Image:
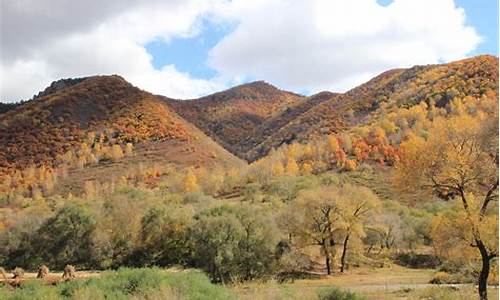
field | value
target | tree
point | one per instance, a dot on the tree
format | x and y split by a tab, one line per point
319	220
333	144
292	168
234	243
278	169
66	238
307	168
116	152
459	159
356	206
350	165
164	236
129	149
190	183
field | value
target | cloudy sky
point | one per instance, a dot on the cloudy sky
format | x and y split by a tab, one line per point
188	48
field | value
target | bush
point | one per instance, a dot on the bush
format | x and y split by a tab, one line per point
441	278
415	260
234	244
30	289
293	265
337	294
461	272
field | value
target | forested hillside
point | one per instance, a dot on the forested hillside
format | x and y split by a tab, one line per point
400	173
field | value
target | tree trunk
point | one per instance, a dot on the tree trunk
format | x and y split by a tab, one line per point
327	261
485	271
344	251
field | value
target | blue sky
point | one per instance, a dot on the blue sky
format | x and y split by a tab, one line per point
190	55
483	16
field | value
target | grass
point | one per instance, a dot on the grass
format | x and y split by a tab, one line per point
146	283
152	283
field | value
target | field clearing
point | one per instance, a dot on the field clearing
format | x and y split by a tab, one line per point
374	283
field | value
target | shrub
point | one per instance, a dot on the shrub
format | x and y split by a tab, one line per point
337	294
234	244
31	289
442	277
67	237
145	283
415	260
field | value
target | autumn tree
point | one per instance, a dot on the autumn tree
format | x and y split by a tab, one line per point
459	159
319	220
356	204
292	168
190	182
116	152
278	169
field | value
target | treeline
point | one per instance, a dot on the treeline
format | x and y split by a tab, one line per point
38	181
239	240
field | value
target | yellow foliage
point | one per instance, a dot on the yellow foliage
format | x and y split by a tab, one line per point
190	182
307	168
350	165
278	169
116	152
292	168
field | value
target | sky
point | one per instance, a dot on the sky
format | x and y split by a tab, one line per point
189	48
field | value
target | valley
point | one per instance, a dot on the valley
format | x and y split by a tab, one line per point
388	191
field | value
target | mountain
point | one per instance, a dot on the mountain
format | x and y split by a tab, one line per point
97	113
251	119
439	84
231	117
82	124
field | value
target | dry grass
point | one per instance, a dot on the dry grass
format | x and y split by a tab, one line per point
384	283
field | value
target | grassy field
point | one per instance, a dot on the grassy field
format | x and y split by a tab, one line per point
371	283
384	283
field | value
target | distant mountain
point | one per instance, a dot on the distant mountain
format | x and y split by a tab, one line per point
61	118
231	117
246	121
251	119
395	88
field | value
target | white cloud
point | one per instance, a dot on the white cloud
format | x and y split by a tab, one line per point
114	44
298	45
335	45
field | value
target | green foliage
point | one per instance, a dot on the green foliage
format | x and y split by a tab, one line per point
416	260
124	284
234	243
66	238
32	290
163	237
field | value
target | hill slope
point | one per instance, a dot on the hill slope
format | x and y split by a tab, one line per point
231	117
100	112
440	84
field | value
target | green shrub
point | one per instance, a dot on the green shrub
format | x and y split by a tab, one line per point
337	294
145	283
416	260
234	243
31	289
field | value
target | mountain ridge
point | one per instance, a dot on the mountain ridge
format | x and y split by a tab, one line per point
247	120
